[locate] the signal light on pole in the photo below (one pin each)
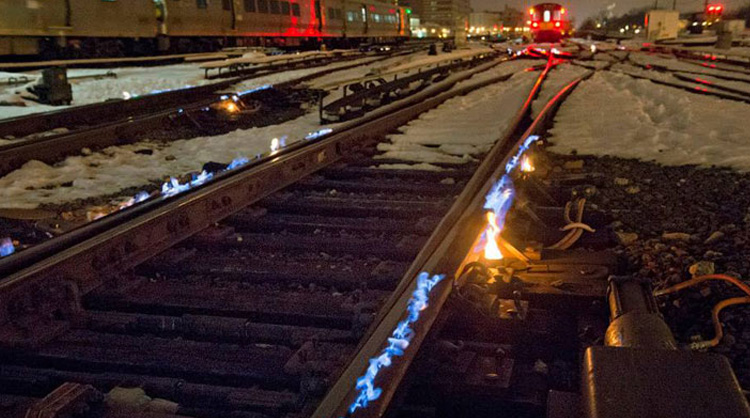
(714, 9)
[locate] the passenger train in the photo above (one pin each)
(89, 28)
(549, 22)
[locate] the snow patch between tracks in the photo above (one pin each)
(613, 114)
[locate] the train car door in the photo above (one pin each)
(319, 16)
(365, 19)
(400, 21)
(228, 15)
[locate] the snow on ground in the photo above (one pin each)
(283, 76)
(556, 79)
(735, 51)
(461, 127)
(441, 57)
(594, 65)
(670, 78)
(508, 67)
(136, 81)
(356, 73)
(599, 45)
(613, 114)
(650, 74)
(116, 168)
(676, 65)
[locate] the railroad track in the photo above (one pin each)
(259, 347)
(100, 125)
(312, 284)
(695, 80)
(278, 107)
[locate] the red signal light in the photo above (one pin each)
(714, 8)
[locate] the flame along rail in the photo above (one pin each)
(114, 122)
(442, 255)
(62, 305)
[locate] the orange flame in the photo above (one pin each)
(526, 165)
(231, 107)
(491, 250)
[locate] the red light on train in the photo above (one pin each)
(714, 8)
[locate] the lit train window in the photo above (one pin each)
(295, 9)
(546, 16)
(250, 6)
(351, 16)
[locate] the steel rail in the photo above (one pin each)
(448, 238)
(50, 149)
(705, 91)
(83, 259)
(452, 239)
(712, 85)
(122, 109)
(117, 62)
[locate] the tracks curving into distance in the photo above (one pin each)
(224, 307)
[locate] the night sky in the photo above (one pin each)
(580, 9)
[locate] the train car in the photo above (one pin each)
(74, 28)
(549, 22)
(83, 26)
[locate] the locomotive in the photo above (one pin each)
(549, 22)
(90, 28)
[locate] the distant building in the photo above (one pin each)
(414, 5)
(444, 17)
(512, 18)
(482, 23)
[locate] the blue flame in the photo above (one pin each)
(140, 197)
(318, 134)
(513, 162)
(397, 343)
(500, 197)
(263, 87)
(238, 162)
(168, 90)
(6, 247)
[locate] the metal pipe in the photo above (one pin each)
(635, 320)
